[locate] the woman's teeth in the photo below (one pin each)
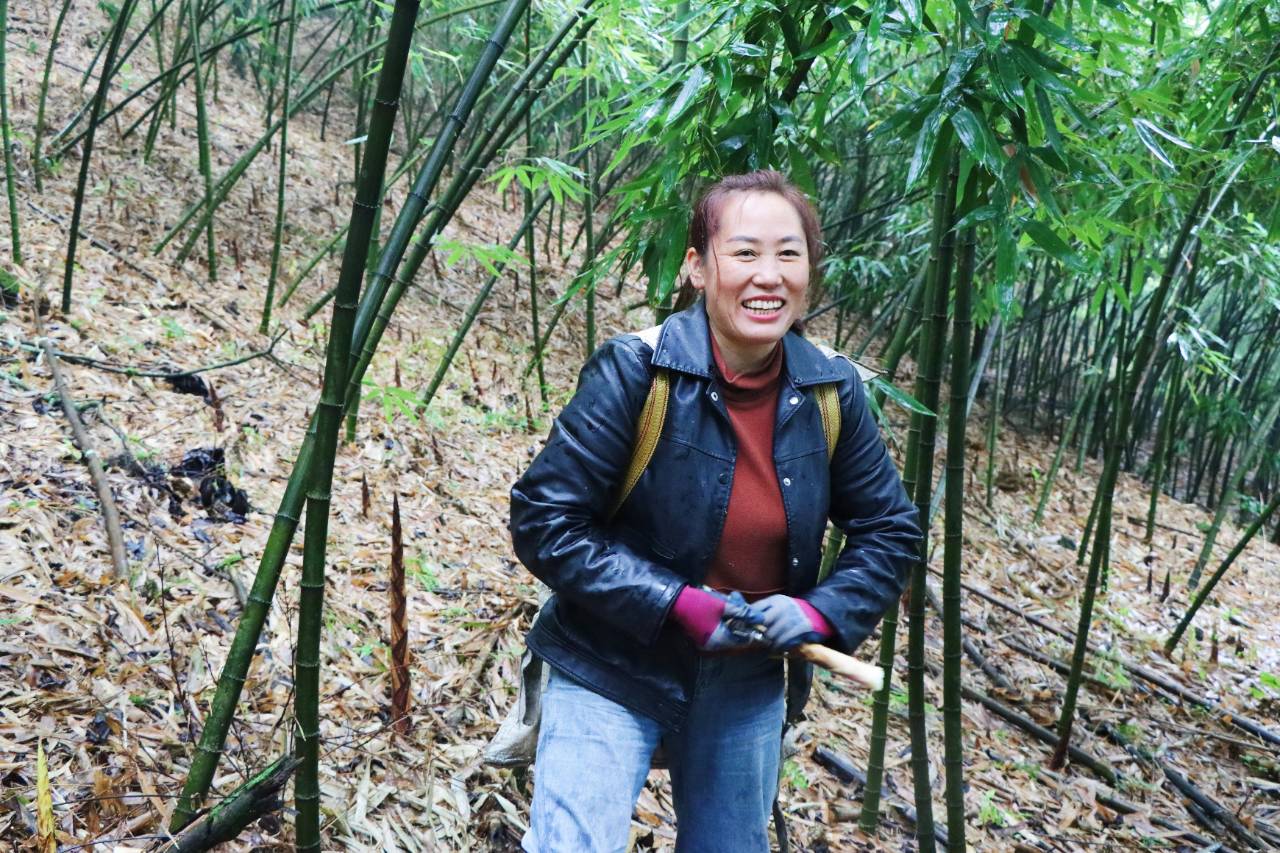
(762, 306)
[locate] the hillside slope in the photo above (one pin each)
(113, 678)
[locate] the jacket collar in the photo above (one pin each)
(685, 345)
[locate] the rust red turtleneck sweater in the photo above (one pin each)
(752, 554)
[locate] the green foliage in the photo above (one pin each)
(561, 180)
(1268, 687)
(793, 773)
(991, 813)
(490, 256)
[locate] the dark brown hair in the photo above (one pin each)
(706, 220)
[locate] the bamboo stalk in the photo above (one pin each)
(1228, 498)
(1161, 452)
(202, 134)
(232, 679)
(278, 238)
(931, 348)
(329, 417)
(104, 83)
(163, 77)
(952, 637)
(527, 197)
(37, 161)
(1203, 595)
(259, 796)
(588, 207)
(237, 170)
(10, 173)
(384, 295)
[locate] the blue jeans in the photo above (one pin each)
(594, 755)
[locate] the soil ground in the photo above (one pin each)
(114, 678)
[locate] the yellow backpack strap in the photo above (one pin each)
(649, 425)
(829, 397)
(829, 406)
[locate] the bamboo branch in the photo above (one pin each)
(257, 797)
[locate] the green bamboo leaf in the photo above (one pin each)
(1037, 66)
(697, 76)
(960, 68)
(981, 214)
(1006, 254)
(743, 48)
(966, 15)
(1045, 237)
(977, 138)
(1052, 31)
(909, 116)
(877, 20)
(923, 151)
(1172, 137)
(723, 77)
(1051, 133)
(911, 11)
(1149, 141)
(897, 395)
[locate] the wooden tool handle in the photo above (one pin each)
(868, 675)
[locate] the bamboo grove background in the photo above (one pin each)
(1051, 219)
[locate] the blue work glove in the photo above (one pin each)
(786, 623)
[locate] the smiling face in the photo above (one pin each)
(755, 275)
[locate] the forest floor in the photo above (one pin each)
(113, 678)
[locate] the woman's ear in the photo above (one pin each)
(693, 266)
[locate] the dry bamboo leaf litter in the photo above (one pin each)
(90, 669)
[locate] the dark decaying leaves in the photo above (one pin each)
(187, 383)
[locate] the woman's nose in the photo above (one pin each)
(768, 272)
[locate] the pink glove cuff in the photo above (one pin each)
(698, 612)
(819, 622)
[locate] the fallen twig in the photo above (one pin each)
(106, 503)
(150, 373)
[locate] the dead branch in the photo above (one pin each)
(1218, 815)
(1151, 676)
(150, 373)
(1103, 770)
(106, 503)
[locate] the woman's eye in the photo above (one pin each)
(744, 253)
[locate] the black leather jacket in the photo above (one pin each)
(615, 580)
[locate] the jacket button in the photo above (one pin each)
(794, 401)
(715, 396)
(786, 481)
(795, 561)
(724, 478)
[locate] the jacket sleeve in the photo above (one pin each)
(882, 536)
(560, 506)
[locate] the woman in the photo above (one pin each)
(735, 498)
